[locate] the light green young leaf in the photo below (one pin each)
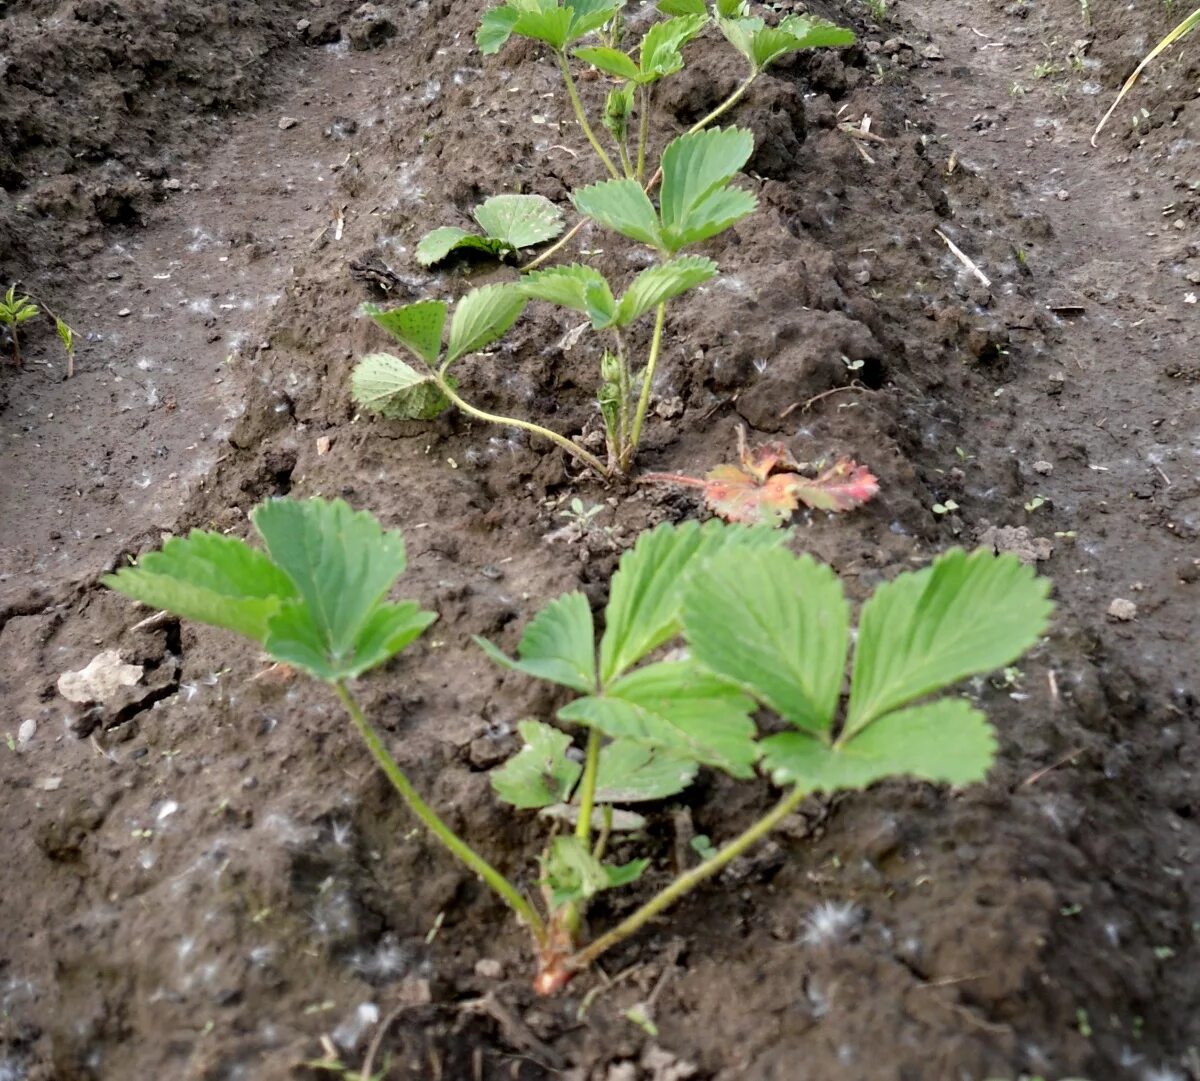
(543, 20)
(622, 206)
(386, 385)
(210, 578)
(943, 741)
(683, 7)
(589, 15)
(519, 221)
(928, 629)
(712, 215)
(661, 283)
(481, 317)
(660, 49)
(811, 33)
(740, 33)
(495, 28)
(342, 564)
(775, 625)
(577, 287)
(610, 61)
(573, 874)
(696, 167)
(558, 644)
(418, 327)
(646, 593)
(679, 707)
(632, 773)
(732, 9)
(438, 244)
(540, 773)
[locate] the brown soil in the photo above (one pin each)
(208, 877)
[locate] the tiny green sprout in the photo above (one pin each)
(15, 310)
(963, 455)
(1034, 503)
(11, 741)
(853, 365)
(945, 507)
(639, 1014)
(580, 515)
(1083, 1024)
(1163, 953)
(877, 9)
(1066, 534)
(702, 845)
(509, 223)
(1070, 910)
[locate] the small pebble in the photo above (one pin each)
(1122, 610)
(125, 312)
(488, 968)
(1062, 195)
(26, 732)
(286, 122)
(173, 184)
(1044, 468)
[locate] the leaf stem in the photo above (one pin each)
(687, 882)
(571, 448)
(383, 758)
(587, 788)
(643, 130)
(630, 449)
(624, 384)
(581, 116)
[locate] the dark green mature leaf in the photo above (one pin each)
(578, 287)
(540, 774)
(342, 564)
(210, 578)
(947, 740)
(622, 206)
(610, 61)
(775, 625)
(558, 644)
(646, 593)
(481, 317)
(926, 630)
(680, 707)
(661, 283)
(418, 327)
(632, 773)
(519, 221)
(495, 28)
(695, 203)
(573, 874)
(386, 385)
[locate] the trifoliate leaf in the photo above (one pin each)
(695, 203)
(540, 773)
(776, 626)
(632, 773)
(519, 221)
(646, 593)
(658, 284)
(386, 385)
(573, 874)
(481, 317)
(679, 707)
(495, 28)
(210, 578)
(928, 629)
(417, 327)
(660, 50)
(622, 206)
(558, 644)
(610, 61)
(580, 288)
(944, 741)
(342, 564)
(438, 244)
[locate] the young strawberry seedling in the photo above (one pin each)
(15, 310)
(759, 629)
(509, 223)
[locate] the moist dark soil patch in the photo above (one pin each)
(213, 877)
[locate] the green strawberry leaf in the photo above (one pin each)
(481, 317)
(623, 207)
(589, 15)
(342, 564)
(927, 629)
(776, 626)
(519, 221)
(661, 283)
(572, 874)
(577, 287)
(679, 707)
(386, 385)
(683, 7)
(631, 772)
(646, 593)
(811, 33)
(210, 578)
(610, 61)
(945, 741)
(540, 774)
(438, 244)
(714, 214)
(418, 327)
(660, 50)
(558, 645)
(495, 28)
(695, 202)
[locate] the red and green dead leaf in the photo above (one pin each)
(768, 485)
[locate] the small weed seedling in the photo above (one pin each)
(697, 202)
(15, 310)
(762, 629)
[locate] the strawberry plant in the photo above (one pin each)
(697, 201)
(760, 629)
(15, 310)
